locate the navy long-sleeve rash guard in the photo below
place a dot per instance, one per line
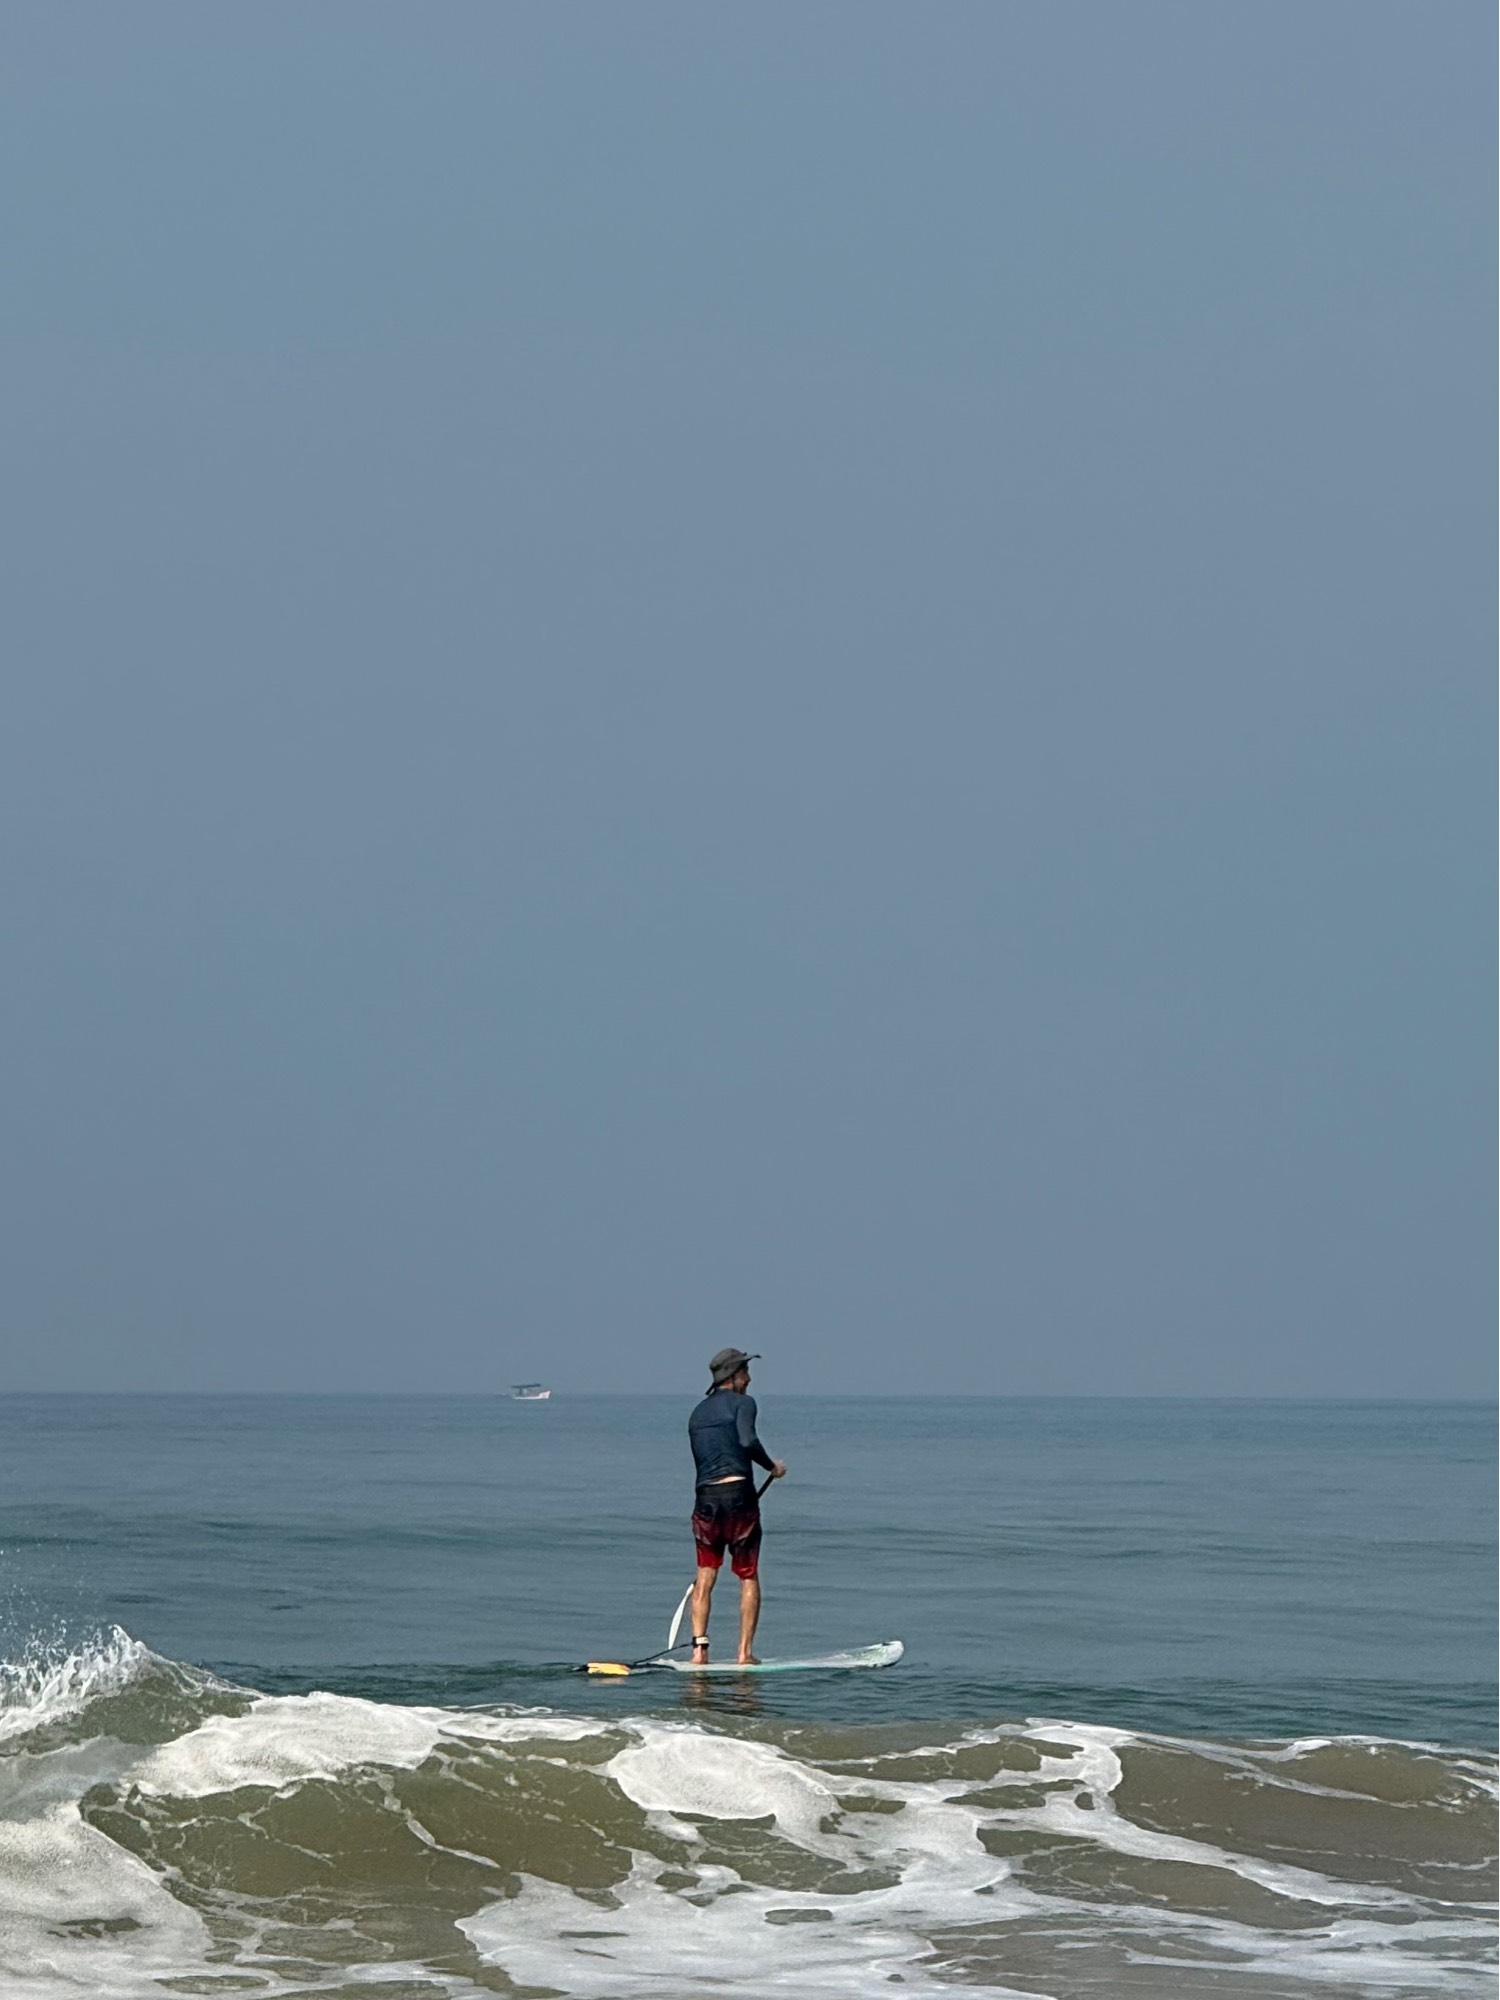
(722, 1433)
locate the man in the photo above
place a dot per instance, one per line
(726, 1511)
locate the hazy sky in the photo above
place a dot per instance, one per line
(810, 674)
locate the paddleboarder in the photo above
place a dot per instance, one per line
(726, 1510)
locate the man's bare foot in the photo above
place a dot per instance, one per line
(747, 1660)
(700, 1652)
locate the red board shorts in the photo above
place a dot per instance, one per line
(727, 1517)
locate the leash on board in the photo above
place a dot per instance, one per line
(617, 1669)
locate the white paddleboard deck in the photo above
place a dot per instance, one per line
(884, 1653)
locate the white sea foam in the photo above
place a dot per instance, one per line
(78, 1913)
(50, 1684)
(284, 1740)
(1097, 1768)
(681, 1770)
(729, 1933)
(897, 1860)
(728, 1938)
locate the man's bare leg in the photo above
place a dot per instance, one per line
(703, 1591)
(749, 1619)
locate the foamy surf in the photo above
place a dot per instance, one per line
(164, 1831)
(49, 1683)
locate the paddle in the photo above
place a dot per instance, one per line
(632, 1666)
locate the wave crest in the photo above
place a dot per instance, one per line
(53, 1683)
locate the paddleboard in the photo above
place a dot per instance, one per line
(884, 1653)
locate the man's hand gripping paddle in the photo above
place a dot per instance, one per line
(616, 1668)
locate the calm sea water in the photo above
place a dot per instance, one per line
(1198, 1698)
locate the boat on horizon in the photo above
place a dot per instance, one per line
(529, 1392)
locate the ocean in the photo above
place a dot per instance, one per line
(1198, 1701)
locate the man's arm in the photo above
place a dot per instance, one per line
(744, 1420)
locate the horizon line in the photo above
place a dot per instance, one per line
(505, 1395)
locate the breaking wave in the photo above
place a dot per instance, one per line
(163, 1830)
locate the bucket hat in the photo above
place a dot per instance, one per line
(729, 1361)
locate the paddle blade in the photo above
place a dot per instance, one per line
(676, 1625)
